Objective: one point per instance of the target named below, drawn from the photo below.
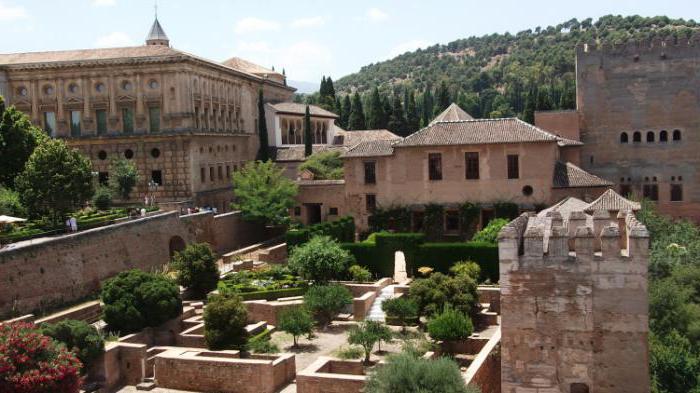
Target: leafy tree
(407, 373)
(225, 319)
(360, 274)
(433, 293)
(196, 269)
(450, 325)
(324, 165)
(320, 259)
(381, 331)
(296, 321)
(124, 177)
(401, 308)
(675, 366)
(308, 138)
(135, 299)
(490, 233)
(10, 204)
(34, 363)
(356, 121)
(78, 336)
(18, 139)
(366, 334)
(102, 199)
(263, 193)
(55, 181)
(264, 149)
(326, 301)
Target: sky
(308, 38)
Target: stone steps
(375, 312)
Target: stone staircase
(375, 312)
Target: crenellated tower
(574, 303)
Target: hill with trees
(496, 75)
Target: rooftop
(452, 113)
(612, 201)
(300, 109)
(568, 175)
(371, 149)
(354, 138)
(157, 33)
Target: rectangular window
(513, 166)
(154, 118)
(50, 123)
(625, 190)
(203, 174)
(471, 164)
(676, 192)
(101, 118)
(211, 173)
(371, 202)
(333, 211)
(370, 172)
(220, 171)
(103, 178)
(196, 118)
(157, 177)
(228, 172)
(127, 120)
(435, 166)
(651, 192)
(452, 221)
(297, 210)
(74, 123)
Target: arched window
(637, 136)
(676, 135)
(624, 138)
(650, 136)
(663, 136)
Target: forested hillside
(495, 75)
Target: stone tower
(574, 304)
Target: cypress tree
(322, 89)
(345, 113)
(330, 89)
(356, 121)
(308, 141)
(443, 98)
(412, 118)
(397, 121)
(427, 106)
(376, 118)
(338, 106)
(264, 151)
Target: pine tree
(356, 121)
(345, 113)
(412, 118)
(397, 121)
(376, 117)
(263, 152)
(308, 141)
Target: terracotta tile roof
(300, 109)
(130, 52)
(564, 142)
(296, 153)
(568, 175)
(610, 200)
(452, 113)
(247, 66)
(320, 182)
(565, 207)
(354, 138)
(371, 149)
(481, 131)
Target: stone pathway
(375, 312)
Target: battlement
(635, 48)
(550, 238)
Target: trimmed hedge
(274, 294)
(342, 230)
(379, 257)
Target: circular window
(155, 153)
(102, 155)
(100, 87)
(126, 85)
(153, 84)
(48, 90)
(129, 154)
(73, 88)
(22, 91)
(527, 190)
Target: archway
(176, 244)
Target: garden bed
(266, 284)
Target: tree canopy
(262, 193)
(325, 165)
(18, 139)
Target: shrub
(263, 346)
(366, 334)
(326, 301)
(78, 336)
(342, 230)
(324, 165)
(395, 218)
(135, 299)
(321, 259)
(350, 352)
(102, 199)
(433, 293)
(507, 210)
(469, 268)
(225, 319)
(33, 363)
(400, 308)
(296, 321)
(450, 325)
(442, 256)
(434, 221)
(409, 374)
(196, 269)
(10, 204)
(490, 233)
(360, 274)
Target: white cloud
(314, 21)
(114, 39)
(407, 46)
(104, 3)
(10, 12)
(252, 25)
(376, 15)
(302, 60)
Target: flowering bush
(33, 363)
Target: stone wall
(572, 316)
(563, 123)
(270, 310)
(485, 370)
(327, 375)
